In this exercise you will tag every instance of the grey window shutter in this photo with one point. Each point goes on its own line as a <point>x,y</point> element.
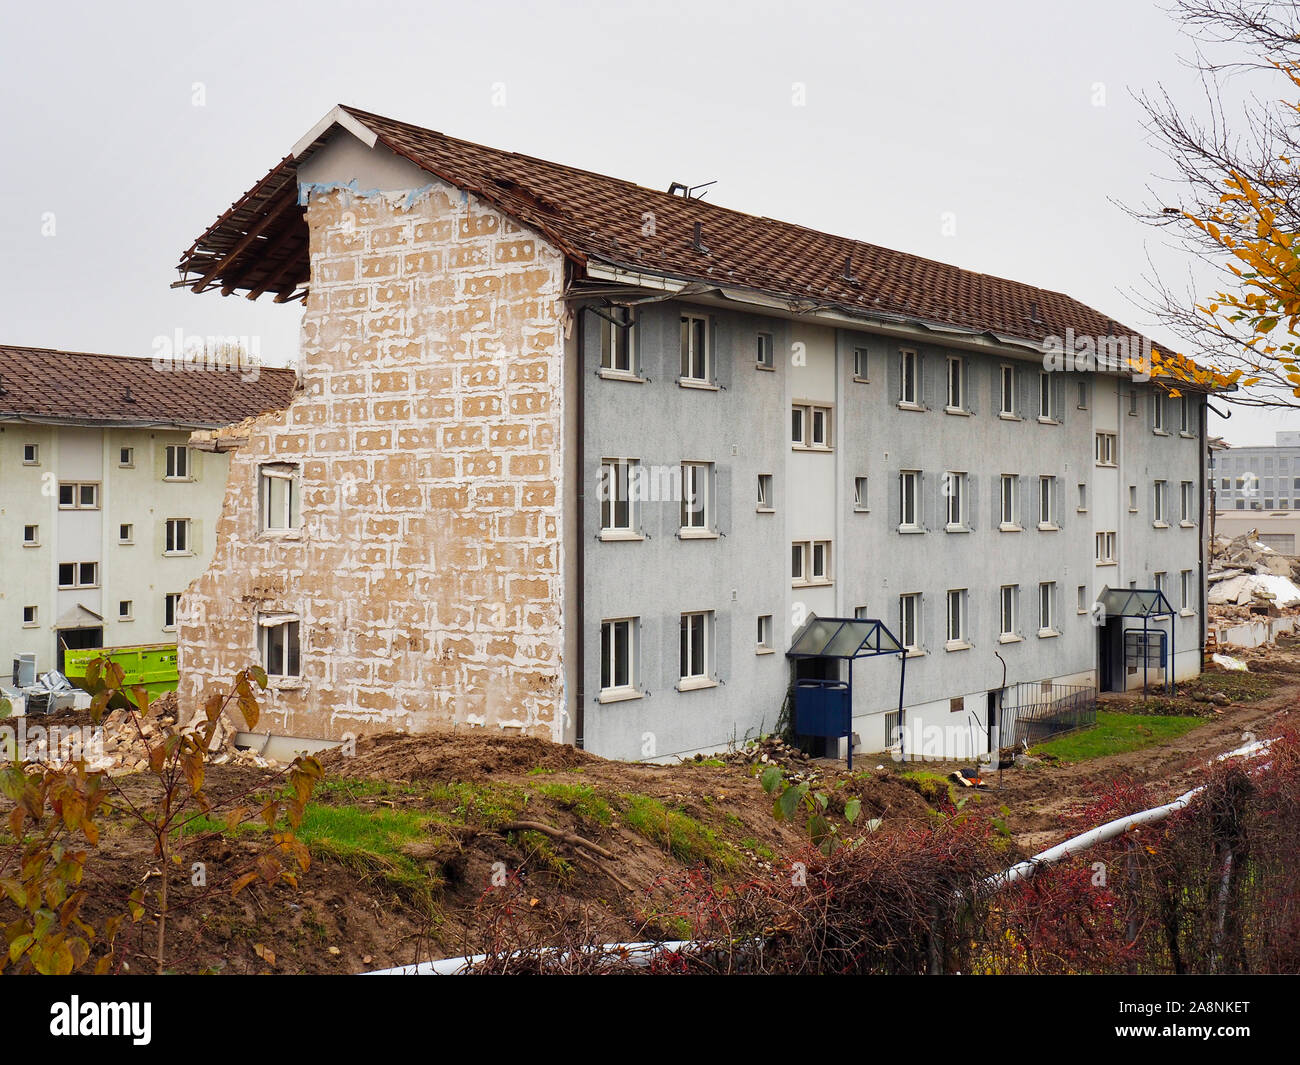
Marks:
<point>722,499</point>
<point>721,637</point>
<point>930,366</point>
<point>1022,484</point>
<point>894,363</point>
<point>895,501</point>
<point>672,645</point>
<point>723,341</point>
<point>972,618</point>
<point>969,386</point>
<point>1022,398</point>
<point>972,500</point>
<point>923,501</point>
<point>1058,397</point>
<point>929,608</point>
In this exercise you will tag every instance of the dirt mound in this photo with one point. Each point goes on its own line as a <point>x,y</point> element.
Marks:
<point>398,756</point>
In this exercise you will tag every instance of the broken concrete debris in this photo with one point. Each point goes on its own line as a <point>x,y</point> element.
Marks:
<point>1251,576</point>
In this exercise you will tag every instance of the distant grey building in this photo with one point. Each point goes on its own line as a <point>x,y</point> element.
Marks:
<point>1258,488</point>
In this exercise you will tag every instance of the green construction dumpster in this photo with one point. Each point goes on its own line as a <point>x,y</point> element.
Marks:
<point>151,666</point>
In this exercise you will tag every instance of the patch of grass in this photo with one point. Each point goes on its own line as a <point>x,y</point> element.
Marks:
<point>934,788</point>
<point>581,799</point>
<point>486,804</point>
<point>752,845</point>
<point>539,848</point>
<point>1116,733</point>
<point>1240,687</point>
<point>684,837</point>
<point>352,788</point>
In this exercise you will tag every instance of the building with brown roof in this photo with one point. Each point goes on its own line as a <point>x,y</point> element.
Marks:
<point>106,513</point>
<point>579,458</point>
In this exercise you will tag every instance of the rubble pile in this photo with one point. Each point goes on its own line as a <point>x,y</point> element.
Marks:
<point>772,750</point>
<point>1248,577</point>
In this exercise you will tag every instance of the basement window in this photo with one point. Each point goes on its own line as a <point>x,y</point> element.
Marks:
<point>278,492</point>
<point>278,642</point>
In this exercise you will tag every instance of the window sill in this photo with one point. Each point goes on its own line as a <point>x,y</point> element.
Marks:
<point>691,684</point>
<point>961,412</point>
<point>1004,416</point>
<point>1009,527</point>
<point>1010,638</point>
<point>765,510</point>
<point>1186,435</point>
<point>764,650</point>
<point>1187,525</point>
<point>911,530</point>
<point>1047,634</point>
<point>1132,510</point>
<point>956,645</point>
<point>915,652</point>
<point>1107,562</point>
<point>618,695</point>
<point>31,543</point>
<point>30,625</point>
<point>1108,465</point>
<point>1048,526</point>
<point>813,582</point>
<point>1081,510</point>
<point>279,534</point>
<point>1187,613</point>
<point>178,480</point>
<point>861,510</point>
<point>1159,432</point>
<point>178,554</point>
<point>1043,419</point>
<point>764,366</point>
<point>285,683</point>
<point>861,380</point>
<point>606,374</point>
<point>956,528</point>
<point>825,449</point>
<point>619,536</point>
<point>691,382</point>
<point>696,534</point>
<point>1160,525</point>
<point>905,405</point>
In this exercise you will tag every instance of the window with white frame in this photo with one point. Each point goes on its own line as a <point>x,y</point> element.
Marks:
<point>764,634</point>
<point>1157,413</point>
<point>860,496</point>
<point>799,561</point>
<point>1047,607</point>
<point>861,364</point>
<point>1133,498</point>
<point>31,536</point>
<point>1161,582</point>
<point>1007,391</point>
<point>74,496</point>
<point>810,562</point>
<point>1133,402</point>
<point>171,609</point>
<point>821,560</point>
<point>1187,503</point>
<point>954,490</point>
<point>126,533</point>
<point>177,466</point>
<point>1045,408</point>
<point>1161,516</point>
<point>1081,606</point>
<point>694,656</point>
<point>909,621</point>
<point>763,351</point>
<point>1105,546</point>
<point>125,610</point>
<point>279,645</point>
<point>278,496</point>
<point>765,491</point>
<point>617,655</point>
<point>909,390</point>
<point>126,457</point>
<point>695,348</point>
<point>616,340</point>
<point>1083,498</point>
<point>956,381</point>
<point>1187,591</point>
<point>1082,401</point>
<point>1105,449</point>
<point>29,617</point>
<point>810,426</point>
<point>31,455</point>
<point>909,483</point>
<point>617,509</point>
<point>1047,502</point>
<point>78,574</point>
<point>178,536</point>
<point>1007,501</point>
<point>1185,415</point>
<point>695,495</point>
<point>957,616</point>
<point>1007,596</point>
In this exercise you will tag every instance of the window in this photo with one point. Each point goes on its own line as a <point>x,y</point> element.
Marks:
<point>1046,608</point>
<point>695,348</point>
<point>1082,605</point>
<point>171,610</point>
<point>1082,401</point>
<point>1047,502</point>
<point>178,463</point>
<point>694,664</point>
<point>279,646</point>
<point>763,351</point>
<point>695,495</point>
<point>78,574</point>
<point>617,650</point>
<point>1133,402</point>
<point>78,496</point>
<point>1083,497</point>
<point>957,616</point>
<point>1187,502</point>
<point>31,536</point>
<point>860,364</point>
<point>1185,415</point>
<point>810,426</point>
<point>126,533</point>
<point>616,334</point>
<point>29,616</point>
<point>909,621</point>
<point>278,495</point>
<point>617,476</point>
<point>1045,410</point>
<point>821,560</point>
<point>954,490</point>
<point>1007,596</point>
<point>1105,548</point>
<point>1157,413</point>
<point>1133,498</point>
<point>31,455</point>
<point>764,642</point>
<point>860,493</point>
<point>908,485</point>
<point>1161,491</point>
<point>1007,391</point>
<point>126,457</point>
<point>765,491</point>
<point>810,562</point>
<point>178,536</point>
<point>908,389</point>
<point>1187,594</point>
<point>1161,582</point>
<point>125,610</point>
<point>1007,501</point>
<point>799,561</point>
<point>1105,449</point>
<point>956,394</point>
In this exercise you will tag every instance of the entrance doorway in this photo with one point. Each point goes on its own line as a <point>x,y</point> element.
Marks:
<point>818,669</point>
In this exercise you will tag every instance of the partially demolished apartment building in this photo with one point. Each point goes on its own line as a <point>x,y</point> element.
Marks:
<point>577,458</point>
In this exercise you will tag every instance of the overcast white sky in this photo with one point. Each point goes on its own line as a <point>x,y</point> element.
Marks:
<point>913,110</point>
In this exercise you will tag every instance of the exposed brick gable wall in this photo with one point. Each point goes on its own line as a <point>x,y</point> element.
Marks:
<point>428,569</point>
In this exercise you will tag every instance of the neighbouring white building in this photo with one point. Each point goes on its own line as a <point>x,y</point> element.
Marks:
<point>106,513</point>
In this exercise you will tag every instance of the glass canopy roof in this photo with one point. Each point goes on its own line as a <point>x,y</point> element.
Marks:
<point>843,638</point>
<point>1134,602</point>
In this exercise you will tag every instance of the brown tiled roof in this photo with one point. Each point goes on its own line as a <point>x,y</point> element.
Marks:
<point>595,218</point>
<point>40,384</point>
